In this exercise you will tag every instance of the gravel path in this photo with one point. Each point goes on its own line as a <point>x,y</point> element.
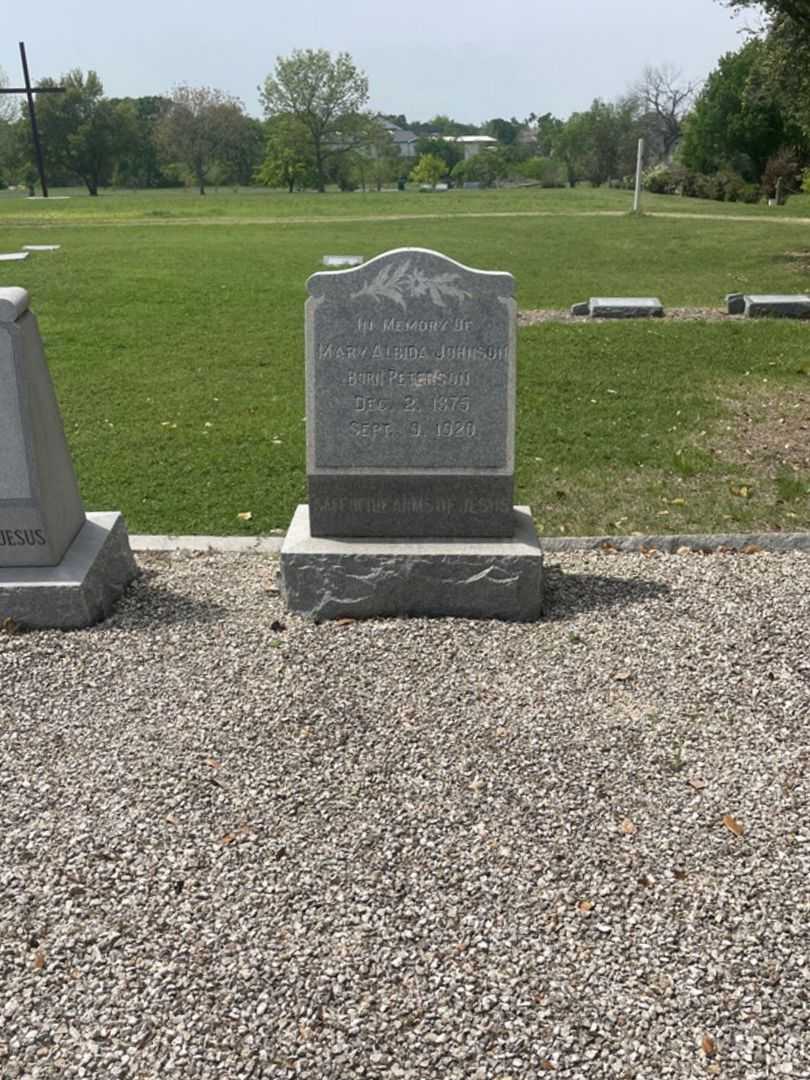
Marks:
<point>236,844</point>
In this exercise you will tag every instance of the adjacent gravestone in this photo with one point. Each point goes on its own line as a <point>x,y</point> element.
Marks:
<point>410,442</point>
<point>58,566</point>
<point>777,306</point>
<point>620,307</point>
<point>337,261</point>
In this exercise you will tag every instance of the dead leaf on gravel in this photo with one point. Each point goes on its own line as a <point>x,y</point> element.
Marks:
<point>622,676</point>
<point>752,549</point>
<point>709,1046</point>
<point>549,1066</point>
<point>585,906</point>
<point>39,960</point>
<point>733,825</point>
<point>344,622</point>
<point>8,626</point>
<point>696,782</point>
<point>628,828</point>
<point>678,874</point>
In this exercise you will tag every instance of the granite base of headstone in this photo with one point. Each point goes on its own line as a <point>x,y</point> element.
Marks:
<point>410,370</point>
<point>59,567</point>
<point>330,578</point>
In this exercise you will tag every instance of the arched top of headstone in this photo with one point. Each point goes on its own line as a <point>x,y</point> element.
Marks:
<point>13,303</point>
<point>405,278</point>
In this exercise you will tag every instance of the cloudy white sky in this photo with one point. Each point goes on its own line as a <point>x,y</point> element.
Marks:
<point>470,59</point>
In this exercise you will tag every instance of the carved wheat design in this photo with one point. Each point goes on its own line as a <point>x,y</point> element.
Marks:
<point>401,283</point>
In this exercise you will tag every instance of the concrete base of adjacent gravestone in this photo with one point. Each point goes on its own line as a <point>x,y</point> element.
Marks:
<point>82,589</point>
<point>329,578</point>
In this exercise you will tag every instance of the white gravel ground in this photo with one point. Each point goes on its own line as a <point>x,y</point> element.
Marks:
<point>236,844</point>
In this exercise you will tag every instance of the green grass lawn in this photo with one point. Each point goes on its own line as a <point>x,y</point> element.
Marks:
<point>176,345</point>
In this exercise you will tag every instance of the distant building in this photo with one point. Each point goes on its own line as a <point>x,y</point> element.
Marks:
<point>472,144</point>
<point>405,141</point>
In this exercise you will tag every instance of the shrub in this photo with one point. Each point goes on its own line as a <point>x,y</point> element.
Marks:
<point>550,174</point>
<point>709,187</point>
<point>659,180</point>
<point>784,166</point>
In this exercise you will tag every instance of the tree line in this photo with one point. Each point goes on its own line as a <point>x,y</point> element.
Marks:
<point>744,132</point>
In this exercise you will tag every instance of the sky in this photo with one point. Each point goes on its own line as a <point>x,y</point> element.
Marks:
<point>469,59</point>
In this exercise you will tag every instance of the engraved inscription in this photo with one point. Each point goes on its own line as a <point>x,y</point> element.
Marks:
<point>412,369</point>
<point>410,504</point>
<point>22,538</point>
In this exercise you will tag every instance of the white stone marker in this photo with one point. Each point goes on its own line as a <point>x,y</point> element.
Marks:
<point>620,307</point>
<point>777,306</point>
<point>41,247</point>
<point>13,256</point>
<point>336,261</point>
<point>58,566</point>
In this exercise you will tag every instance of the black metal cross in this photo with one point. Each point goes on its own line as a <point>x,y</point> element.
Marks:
<point>29,92</point>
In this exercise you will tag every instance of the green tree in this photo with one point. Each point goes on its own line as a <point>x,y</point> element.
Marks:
<point>384,159</point>
<point>141,163</point>
<point>200,129</point>
<point>288,154</point>
<point>327,96</point>
<point>429,169</point>
<point>243,151</point>
<point>505,131</point>
<point>738,121</point>
<point>9,108</point>
<point>443,125</point>
<point>797,10</point>
<point>450,152</point>
<point>83,132</point>
<point>785,59</point>
<point>571,145</point>
<point>547,128</point>
<point>598,145</point>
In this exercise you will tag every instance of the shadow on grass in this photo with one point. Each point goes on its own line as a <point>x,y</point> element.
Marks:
<point>572,594</point>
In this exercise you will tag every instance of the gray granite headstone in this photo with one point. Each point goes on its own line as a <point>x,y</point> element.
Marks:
<point>410,447</point>
<point>411,399</point>
<point>58,566</point>
<point>40,508</point>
